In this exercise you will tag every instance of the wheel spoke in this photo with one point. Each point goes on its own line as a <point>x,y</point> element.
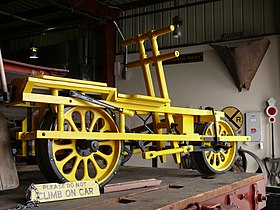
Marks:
<point>214,159</point>
<point>218,155</point>
<point>65,160</point>
<point>107,143</point>
<point>58,147</point>
<point>86,173</point>
<point>222,131</point>
<point>106,127</point>
<point>226,155</point>
<point>99,171</point>
<point>210,156</point>
<point>210,130</point>
<point>72,124</point>
<point>104,156</point>
<point>83,120</point>
<point>75,166</point>
<point>92,124</point>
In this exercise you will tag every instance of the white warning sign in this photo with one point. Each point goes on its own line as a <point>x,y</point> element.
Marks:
<point>69,190</point>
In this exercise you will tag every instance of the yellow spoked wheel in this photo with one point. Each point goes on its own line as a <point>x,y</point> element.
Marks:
<point>219,160</point>
<point>75,160</point>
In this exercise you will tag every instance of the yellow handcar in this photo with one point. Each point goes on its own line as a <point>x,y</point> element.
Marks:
<point>79,127</point>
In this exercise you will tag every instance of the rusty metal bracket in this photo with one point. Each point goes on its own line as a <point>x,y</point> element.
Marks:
<point>243,68</point>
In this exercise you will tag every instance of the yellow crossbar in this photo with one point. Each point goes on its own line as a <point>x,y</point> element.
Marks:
<point>41,134</point>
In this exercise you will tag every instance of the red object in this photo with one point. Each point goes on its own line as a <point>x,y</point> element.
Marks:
<point>253,130</point>
<point>271,111</point>
<point>272,119</point>
<point>252,196</point>
<point>30,69</point>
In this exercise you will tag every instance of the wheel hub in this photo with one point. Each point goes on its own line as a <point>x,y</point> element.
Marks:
<point>94,145</point>
<point>86,147</point>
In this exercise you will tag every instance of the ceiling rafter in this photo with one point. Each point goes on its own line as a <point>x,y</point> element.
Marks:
<point>43,14</point>
<point>140,3</point>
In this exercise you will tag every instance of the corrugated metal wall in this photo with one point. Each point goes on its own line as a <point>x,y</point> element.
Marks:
<point>207,22</point>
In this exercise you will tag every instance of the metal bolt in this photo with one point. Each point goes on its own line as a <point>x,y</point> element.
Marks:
<point>70,101</point>
<point>44,134</point>
<point>261,197</point>
<point>242,196</point>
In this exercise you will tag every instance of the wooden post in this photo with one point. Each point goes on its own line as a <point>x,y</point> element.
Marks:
<point>8,172</point>
<point>3,78</point>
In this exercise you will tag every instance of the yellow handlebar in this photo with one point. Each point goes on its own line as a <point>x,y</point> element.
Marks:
<point>150,60</point>
<point>152,33</point>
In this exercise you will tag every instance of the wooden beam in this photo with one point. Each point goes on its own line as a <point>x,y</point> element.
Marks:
<point>131,185</point>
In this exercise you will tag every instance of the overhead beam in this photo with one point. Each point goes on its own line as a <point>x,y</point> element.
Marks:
<point>137,4</point>
<point>73,10</point>
<point>170,8</point>
<point>22,18</point>
<point>92,8</point>
<point>25,31</point>
<point>30,14</point>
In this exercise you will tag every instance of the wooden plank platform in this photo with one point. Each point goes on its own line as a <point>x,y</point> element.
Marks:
<point>179,188</point>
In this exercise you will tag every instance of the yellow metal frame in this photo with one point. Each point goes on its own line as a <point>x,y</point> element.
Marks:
<point>45,92</point>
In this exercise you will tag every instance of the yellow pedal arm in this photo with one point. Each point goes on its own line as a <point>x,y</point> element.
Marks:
<point>153,154</point>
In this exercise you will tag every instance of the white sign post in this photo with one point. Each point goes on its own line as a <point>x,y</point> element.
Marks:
<point>271,112</point>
